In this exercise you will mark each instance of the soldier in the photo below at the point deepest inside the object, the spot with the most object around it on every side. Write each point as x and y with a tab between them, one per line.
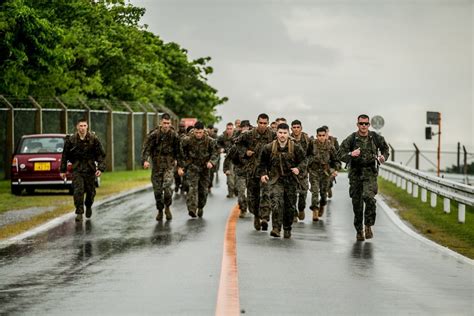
162	146
273	126
237	160
335	143
250	144
303	140
237	123
198	156
212	132
363	150
178	181
86	154
280	163
322	156
224	142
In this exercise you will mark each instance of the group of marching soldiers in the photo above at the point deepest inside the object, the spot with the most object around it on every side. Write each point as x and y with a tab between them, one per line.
269	167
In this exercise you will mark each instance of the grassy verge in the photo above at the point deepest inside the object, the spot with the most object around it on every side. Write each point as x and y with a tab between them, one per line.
111	183
433	223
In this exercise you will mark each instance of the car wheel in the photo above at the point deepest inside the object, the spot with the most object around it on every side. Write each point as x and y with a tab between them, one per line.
16	190
30	190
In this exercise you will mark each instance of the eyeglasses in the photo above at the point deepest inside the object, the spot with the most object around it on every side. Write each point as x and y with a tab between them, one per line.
364	123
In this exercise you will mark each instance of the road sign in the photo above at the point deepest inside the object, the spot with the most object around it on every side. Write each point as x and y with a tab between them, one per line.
432	118
377	122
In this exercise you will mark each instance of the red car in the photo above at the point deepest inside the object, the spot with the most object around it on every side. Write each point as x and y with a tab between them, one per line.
36	164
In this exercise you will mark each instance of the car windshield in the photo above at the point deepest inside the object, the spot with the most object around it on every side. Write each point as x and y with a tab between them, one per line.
42	145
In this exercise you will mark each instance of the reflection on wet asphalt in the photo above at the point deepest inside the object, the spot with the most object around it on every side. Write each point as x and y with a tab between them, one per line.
124	262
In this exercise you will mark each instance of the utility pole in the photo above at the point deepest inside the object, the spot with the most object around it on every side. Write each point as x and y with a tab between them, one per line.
434	118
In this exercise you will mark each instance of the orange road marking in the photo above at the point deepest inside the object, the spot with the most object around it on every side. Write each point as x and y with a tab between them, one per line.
228	294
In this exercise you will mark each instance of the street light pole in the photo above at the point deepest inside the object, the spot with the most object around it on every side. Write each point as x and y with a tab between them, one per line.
439	142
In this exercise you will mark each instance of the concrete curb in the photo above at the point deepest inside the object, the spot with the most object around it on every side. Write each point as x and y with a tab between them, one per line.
397	221
64	218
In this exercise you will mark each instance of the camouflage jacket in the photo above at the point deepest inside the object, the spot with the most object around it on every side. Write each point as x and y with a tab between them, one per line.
334	142
254	141
276	161
322	156
83	154
225	141
162	147
369	147
198	152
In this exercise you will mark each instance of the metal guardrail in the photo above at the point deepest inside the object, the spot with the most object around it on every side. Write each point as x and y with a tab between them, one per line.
411	180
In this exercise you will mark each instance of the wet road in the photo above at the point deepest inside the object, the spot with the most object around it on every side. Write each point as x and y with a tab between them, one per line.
123	262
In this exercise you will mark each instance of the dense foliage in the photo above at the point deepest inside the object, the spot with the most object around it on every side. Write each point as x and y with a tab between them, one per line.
97	49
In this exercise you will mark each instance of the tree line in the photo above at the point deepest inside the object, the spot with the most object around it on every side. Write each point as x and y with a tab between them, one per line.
98	50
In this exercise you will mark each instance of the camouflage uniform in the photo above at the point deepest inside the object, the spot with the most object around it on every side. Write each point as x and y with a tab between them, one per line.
276	162
225	142
83	154
321	158
363	171
178	180
233	158
163	149
195	154
335	143
302	193
258	194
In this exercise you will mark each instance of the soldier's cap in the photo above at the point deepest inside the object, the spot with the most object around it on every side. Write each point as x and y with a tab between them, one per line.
245	123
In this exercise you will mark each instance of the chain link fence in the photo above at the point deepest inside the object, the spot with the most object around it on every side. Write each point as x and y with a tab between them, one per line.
121	126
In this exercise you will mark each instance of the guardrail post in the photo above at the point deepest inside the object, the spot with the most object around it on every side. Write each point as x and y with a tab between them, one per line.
399	181
424	195
404	184
434	199
461	213
447	205
409	187
415	190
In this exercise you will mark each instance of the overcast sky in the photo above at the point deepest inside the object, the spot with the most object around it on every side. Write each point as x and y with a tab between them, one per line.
325	62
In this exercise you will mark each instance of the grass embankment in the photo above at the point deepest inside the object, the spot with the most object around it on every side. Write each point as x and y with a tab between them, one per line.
433	223
61	203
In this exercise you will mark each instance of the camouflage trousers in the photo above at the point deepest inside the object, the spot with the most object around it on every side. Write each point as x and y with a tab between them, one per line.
302	192
319	187
83	183
258	197
162	180
241	187
198	180
362	189
283	202
231	179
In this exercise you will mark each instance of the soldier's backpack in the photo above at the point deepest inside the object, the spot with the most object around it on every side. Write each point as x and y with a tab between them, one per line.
291	148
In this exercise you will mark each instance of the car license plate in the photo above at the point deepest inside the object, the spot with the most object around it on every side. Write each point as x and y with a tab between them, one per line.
42	166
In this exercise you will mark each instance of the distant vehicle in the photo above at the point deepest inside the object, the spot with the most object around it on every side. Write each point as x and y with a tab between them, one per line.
36	164
189	121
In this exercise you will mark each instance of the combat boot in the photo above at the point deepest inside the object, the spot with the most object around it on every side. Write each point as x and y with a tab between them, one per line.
159	216
256	222
230	195
368	232
275	233
200	212
79	218
88	211
360	236
192	213
301	215
242	213
295	218
321	210
264	224
315	214
287	234
168	214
